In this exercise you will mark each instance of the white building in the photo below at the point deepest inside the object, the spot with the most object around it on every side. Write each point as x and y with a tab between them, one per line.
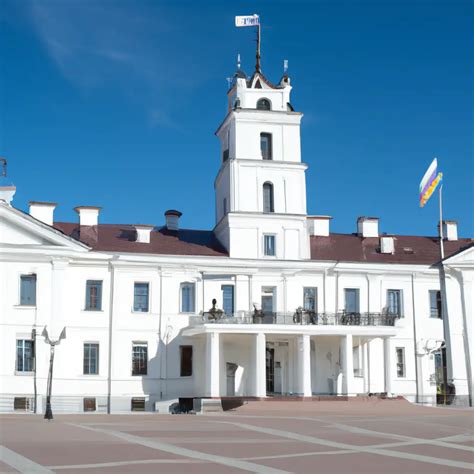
135	299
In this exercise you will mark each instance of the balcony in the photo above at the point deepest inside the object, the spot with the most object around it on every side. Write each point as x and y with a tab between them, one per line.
301	318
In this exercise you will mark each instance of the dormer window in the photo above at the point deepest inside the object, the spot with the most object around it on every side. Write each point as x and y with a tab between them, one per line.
264	104
266	146
268	197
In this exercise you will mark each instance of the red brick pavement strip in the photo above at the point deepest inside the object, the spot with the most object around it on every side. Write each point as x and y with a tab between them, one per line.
278	435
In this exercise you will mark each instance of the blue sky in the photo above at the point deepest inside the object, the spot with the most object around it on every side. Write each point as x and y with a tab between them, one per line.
115	103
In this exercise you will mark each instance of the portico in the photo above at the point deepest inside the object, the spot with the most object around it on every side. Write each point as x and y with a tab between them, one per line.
264	360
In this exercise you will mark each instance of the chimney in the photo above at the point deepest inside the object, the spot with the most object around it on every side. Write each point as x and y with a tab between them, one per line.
43	211
7	193
387	244
143	233
450	230
88	224
88	215
368	226
172	219
319	225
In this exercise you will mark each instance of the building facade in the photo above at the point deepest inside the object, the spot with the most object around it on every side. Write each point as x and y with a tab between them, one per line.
298	310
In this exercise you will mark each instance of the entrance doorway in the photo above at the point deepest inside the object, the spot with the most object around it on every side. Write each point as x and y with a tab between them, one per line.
270	365
231	368
445	391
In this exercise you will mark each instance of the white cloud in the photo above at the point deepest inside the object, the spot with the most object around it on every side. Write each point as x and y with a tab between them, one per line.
97	43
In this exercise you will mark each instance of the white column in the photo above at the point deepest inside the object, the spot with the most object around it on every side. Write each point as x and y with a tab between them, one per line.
260	381
365	367
250	293
203	305
347	365
387	350
212	364
303	357
369	376
241	302
285	295
234	309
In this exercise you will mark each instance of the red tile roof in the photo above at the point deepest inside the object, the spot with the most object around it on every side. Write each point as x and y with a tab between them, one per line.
408	249
121	238
335	247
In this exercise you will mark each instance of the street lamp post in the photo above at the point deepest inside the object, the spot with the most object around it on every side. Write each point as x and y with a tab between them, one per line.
48	415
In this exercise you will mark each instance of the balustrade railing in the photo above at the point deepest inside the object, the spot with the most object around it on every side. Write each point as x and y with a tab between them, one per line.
298	318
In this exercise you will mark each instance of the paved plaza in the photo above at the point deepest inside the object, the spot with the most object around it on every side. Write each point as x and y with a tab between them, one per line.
370	436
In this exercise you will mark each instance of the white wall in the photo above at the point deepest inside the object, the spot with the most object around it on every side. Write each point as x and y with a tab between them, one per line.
61	283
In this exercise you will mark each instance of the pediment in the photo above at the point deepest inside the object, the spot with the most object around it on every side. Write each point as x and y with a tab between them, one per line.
19	229
464	257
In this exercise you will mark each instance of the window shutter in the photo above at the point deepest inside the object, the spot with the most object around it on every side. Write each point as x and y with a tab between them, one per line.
99	295
88	296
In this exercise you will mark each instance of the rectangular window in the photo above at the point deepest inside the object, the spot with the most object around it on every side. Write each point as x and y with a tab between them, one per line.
89	404
266	145
310	299
25	355
435	304
140	358
400	352
186	353
138	404
141	297
351	297
94	295
28	290
91	358
188	297
228	299
268	299
394	302
269	245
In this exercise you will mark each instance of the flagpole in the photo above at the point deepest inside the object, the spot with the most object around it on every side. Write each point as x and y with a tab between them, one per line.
257	65
441	237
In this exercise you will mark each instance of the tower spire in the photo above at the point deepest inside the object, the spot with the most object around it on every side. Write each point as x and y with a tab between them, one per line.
238	61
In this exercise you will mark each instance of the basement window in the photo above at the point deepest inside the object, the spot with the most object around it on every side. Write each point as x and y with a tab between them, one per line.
22	404
89	404
138	404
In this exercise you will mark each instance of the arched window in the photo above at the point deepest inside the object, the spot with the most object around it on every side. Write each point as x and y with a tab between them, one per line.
266	146
264	104
268	197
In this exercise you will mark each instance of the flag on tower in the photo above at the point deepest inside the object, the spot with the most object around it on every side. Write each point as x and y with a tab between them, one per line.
249	20
430	181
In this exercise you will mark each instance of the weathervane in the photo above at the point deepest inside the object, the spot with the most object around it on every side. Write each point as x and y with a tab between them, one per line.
285	66
238	61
